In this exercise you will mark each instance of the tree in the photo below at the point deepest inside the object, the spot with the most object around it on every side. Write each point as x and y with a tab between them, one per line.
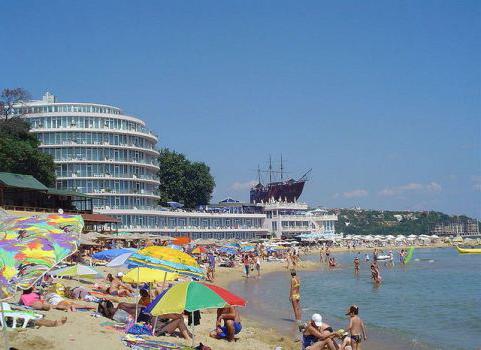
10	98
19	152
183	181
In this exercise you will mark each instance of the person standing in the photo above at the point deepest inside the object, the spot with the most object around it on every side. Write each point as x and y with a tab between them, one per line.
258	266
356	265
245	261
295	296
211	259
356	327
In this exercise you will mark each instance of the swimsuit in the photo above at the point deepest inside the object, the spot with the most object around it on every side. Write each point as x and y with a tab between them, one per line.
237	329
308	340
296	296
356	338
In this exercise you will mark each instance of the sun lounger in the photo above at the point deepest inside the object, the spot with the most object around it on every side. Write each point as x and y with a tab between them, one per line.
18	318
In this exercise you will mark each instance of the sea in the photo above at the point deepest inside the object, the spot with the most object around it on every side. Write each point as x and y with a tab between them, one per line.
434	302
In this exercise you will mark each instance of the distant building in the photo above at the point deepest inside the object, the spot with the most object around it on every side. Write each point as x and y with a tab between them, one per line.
469	228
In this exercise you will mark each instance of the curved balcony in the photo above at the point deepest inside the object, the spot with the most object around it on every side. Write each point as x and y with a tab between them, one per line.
107	161
133	193
147	134
73	144
109	177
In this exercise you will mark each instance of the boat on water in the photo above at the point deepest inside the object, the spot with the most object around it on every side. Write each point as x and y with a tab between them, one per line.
468	250
384	258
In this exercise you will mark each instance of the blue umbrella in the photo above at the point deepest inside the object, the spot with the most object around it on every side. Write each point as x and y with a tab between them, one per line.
111	253
228	250
248	248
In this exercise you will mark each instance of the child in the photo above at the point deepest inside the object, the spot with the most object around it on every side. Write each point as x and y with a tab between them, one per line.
356	327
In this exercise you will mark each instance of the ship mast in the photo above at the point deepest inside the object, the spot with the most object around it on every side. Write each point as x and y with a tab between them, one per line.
282	169
270	168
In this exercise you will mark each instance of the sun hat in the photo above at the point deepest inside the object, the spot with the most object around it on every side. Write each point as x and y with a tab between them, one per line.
317	319
120	274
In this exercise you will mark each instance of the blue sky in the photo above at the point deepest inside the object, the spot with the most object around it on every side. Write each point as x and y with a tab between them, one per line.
380	98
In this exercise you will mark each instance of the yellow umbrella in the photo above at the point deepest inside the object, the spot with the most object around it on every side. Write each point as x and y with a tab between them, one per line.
168	254
146	275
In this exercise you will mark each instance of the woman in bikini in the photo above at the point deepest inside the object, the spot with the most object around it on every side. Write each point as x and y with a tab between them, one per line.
295	295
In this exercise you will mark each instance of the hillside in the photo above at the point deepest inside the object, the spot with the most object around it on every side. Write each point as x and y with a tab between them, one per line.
379	222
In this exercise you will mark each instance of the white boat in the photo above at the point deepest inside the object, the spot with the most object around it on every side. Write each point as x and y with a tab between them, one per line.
384	257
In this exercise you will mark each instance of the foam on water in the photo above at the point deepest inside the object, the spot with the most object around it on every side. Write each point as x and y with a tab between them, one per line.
432	303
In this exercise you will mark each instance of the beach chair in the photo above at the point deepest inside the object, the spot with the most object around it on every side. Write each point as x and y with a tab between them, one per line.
17	318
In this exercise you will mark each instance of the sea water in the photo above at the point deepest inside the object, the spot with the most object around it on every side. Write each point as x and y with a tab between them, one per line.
434	302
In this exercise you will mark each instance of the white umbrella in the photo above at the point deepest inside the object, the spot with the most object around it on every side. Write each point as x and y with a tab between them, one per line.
120	260
413	236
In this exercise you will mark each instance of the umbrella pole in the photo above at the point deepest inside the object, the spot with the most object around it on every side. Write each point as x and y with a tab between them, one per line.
4	328
138	290
193	330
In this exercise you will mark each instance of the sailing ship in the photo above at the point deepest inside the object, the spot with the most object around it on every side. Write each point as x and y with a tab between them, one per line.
288	190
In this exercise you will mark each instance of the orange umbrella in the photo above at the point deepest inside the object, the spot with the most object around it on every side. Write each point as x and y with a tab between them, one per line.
181	240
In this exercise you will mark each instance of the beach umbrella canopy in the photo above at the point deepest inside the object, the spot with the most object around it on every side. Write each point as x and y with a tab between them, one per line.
49	239
199	250
233	244
120	260
77	270
181	240
227	250
166	259
176	247
111	253
412	236
146	275
248	248
192	296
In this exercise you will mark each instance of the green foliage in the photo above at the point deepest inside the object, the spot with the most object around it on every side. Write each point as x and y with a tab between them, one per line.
19	152
377	222
184	181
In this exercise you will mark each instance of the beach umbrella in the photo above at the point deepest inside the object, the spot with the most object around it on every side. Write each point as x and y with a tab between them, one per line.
110	254
167	260
146	275
181	240
193	296
120	260
248	248
199	250
77	270
49	239
227	250
233	244
412	236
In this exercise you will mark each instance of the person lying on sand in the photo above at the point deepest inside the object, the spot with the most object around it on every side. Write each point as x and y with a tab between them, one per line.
60	303
318	335
49	323
80	293
232	324
34	300
117	287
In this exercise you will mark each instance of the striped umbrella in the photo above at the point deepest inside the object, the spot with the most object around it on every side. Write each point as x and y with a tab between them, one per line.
193	296
166	259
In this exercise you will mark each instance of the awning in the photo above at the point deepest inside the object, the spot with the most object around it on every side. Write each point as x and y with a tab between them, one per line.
99	218
67	193
21	181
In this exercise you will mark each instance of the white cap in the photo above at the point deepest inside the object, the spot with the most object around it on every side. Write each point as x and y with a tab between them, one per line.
120	274
317	319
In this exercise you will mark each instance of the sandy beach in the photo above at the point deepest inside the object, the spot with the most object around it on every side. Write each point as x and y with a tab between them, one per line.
82	331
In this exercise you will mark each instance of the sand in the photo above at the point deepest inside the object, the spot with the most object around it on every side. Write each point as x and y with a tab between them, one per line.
82	331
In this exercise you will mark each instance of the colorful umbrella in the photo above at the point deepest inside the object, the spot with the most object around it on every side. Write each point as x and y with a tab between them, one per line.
77	270
192	296
49	239
199	250
166	259
146	275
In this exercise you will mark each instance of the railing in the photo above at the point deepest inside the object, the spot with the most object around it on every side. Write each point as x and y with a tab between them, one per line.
44	210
